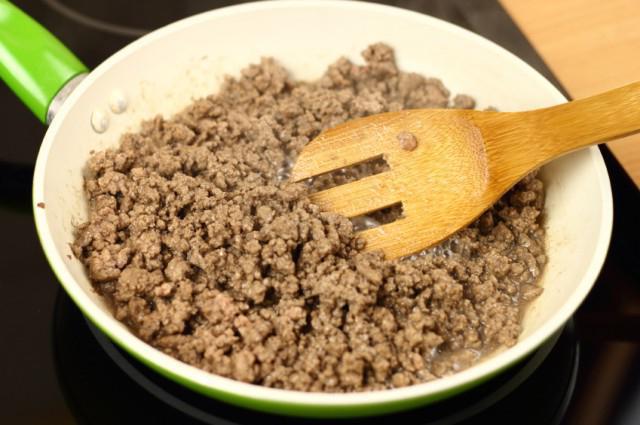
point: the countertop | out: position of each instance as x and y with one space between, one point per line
591 46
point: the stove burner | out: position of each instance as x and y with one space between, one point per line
94 23
131 19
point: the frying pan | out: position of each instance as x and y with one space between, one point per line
163 71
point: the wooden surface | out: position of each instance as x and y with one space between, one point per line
591 46
454 190
480 155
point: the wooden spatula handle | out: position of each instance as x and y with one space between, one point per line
589 121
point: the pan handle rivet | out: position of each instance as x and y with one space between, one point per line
99 121
118 102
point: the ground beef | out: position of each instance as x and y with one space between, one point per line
206 252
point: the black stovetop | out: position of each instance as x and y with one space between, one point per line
56 369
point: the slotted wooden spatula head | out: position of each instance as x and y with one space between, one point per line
438 171
448 166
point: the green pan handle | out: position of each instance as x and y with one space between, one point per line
33 63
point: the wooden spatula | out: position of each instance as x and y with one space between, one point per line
448 166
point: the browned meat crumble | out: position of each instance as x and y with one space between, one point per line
206 252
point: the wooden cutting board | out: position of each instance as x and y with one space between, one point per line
591 46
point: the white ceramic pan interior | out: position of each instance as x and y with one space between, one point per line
163 71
